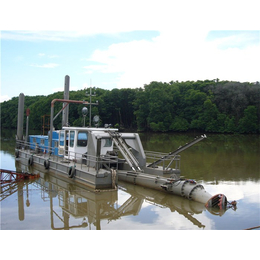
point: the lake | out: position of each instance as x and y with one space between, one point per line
227 164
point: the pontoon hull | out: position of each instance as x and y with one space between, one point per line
75 172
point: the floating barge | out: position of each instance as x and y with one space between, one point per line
99 157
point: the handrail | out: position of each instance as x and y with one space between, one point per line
152 156
48 152
177 151
85 159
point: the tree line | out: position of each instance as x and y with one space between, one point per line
208 106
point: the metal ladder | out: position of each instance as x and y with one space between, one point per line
180 149
123 148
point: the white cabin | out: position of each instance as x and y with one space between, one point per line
78 139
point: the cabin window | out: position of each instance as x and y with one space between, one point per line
42 141
82 139
72 135
34 139
62 138
108 142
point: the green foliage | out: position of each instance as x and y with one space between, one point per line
208 106
230 124
248 123
179 124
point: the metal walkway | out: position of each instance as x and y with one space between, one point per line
123 148
180 149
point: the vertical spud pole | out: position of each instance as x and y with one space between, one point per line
27 125
20 117
51 127
65 113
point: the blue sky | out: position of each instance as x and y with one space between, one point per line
127 51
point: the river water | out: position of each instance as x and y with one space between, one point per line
227 164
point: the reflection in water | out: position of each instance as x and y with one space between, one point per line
77 202
222 164
184 207
10 186
20 201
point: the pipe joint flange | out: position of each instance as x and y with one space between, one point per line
182 188
199 186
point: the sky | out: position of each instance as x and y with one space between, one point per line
125 44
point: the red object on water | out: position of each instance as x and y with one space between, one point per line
11 176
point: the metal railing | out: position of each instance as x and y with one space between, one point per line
151 156
83 159
104 161
166 163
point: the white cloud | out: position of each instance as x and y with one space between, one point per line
48 56
115 14
4 98
234 39
236 190
97 17
53 56
41 35
47 65
175 55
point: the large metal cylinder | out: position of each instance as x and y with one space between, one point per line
20 117
65 113
184 188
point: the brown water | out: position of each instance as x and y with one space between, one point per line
226 164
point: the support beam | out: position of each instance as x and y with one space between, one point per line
180 149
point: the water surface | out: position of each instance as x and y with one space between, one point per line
226 164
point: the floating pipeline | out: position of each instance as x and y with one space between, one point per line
181 187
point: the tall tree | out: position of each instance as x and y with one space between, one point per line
248 123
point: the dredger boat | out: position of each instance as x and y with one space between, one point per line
99 157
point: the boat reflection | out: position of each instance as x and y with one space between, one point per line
91 207
184 207
10 186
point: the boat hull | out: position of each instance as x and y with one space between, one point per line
75 172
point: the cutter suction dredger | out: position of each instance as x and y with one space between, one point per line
99 157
